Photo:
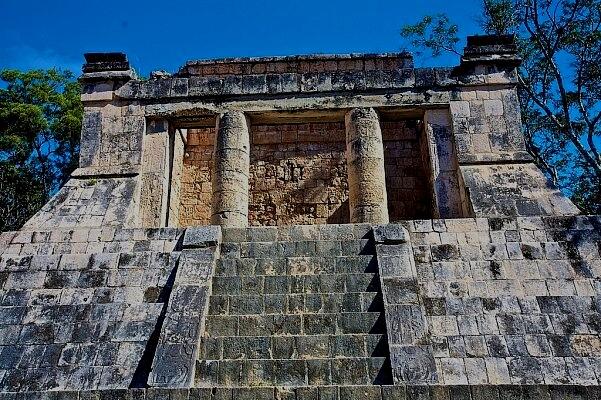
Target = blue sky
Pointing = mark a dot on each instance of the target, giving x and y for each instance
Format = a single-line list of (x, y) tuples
[(164, 34)]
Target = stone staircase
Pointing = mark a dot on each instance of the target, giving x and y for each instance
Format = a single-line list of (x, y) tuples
[(295, 306)]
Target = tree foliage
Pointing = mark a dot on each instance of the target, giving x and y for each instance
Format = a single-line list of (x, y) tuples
[(559, 81), (435, 33), (40, 124)]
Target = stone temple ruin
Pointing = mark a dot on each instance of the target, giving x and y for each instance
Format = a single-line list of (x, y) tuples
[(306, 227)]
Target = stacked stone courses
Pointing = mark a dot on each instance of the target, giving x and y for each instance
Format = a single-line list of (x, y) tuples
[(303, 227), (303, 308), (79, 306)]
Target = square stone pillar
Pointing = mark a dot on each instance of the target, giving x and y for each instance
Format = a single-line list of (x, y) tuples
[(154, 176), (448, 191), (365, 159), (231, 170)]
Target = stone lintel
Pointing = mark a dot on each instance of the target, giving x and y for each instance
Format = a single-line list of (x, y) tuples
[(108, 75), (194, 112)]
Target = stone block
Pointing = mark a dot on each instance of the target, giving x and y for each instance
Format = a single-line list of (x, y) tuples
[(360, 392), (412, 365), (173, 366), (195, 267), (179, 87), (254, 84), (405, 323), (181, 328), (201, 237), (400, 291), (290, 82), (399, 265), (253, 393)]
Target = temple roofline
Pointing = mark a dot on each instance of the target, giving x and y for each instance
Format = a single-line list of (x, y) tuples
[(298, 63), (300, 57)]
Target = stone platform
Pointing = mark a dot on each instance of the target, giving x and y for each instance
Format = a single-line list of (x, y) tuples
[(307, 227), (492, 303), (483, 392)]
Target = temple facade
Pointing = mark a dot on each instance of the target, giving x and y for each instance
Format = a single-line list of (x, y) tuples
[(304, 227)]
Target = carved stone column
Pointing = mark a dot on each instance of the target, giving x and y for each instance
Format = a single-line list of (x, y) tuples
[(365, 160), (231, 170)]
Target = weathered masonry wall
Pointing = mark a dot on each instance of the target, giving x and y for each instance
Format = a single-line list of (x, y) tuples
[(105, 308), (507, 302), (500, 301), (511, 301), (407, 170), (486, 127), (423, 392), (298, 174), (78, 307), (196, 189), (91, 203)]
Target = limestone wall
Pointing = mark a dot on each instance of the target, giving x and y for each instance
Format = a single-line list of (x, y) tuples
[(507, 302), (112, 135), (407, 171), (511, 301), (469, 158), (298, 174), (78, 307), (89, 203), (497, 299), (486, 126), (195, 195)]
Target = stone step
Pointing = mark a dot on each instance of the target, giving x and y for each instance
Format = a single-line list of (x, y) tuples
[(310, 248), (296, 265), (297, 233), (282, 284), (357, 392), (291, 373), (297, 324), (295, 303), (293, 347)]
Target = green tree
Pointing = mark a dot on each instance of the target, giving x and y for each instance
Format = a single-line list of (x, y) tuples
[(559, 82), (40, 124)]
